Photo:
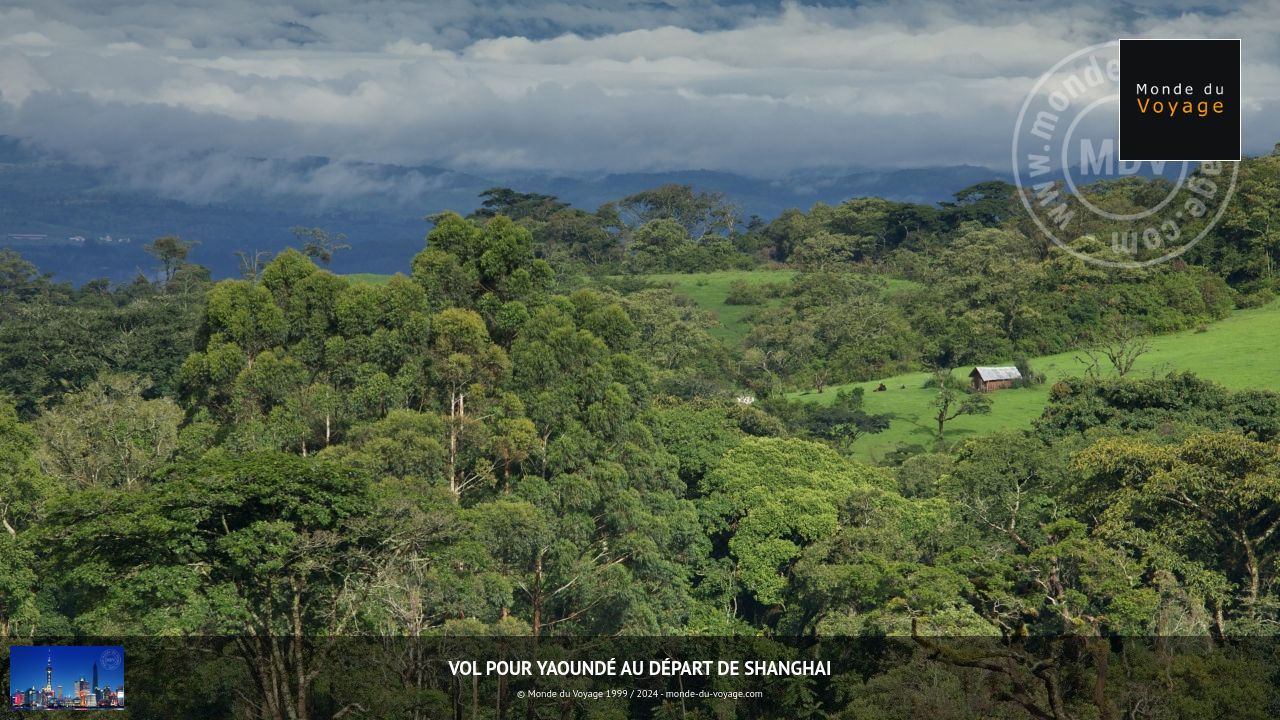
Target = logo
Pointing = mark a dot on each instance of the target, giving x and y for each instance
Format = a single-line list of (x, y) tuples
[(1086, 200), (110, 659), (1180, 99)]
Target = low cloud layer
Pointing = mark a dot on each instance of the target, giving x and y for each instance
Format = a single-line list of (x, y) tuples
[(755, 88)]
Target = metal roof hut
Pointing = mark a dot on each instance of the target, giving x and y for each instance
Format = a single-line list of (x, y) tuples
[(986, 379)]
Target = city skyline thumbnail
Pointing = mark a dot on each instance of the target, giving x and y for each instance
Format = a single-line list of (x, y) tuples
[(66, 676)]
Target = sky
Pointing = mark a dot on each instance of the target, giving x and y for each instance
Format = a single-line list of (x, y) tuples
[(70, 663), (758, 88)]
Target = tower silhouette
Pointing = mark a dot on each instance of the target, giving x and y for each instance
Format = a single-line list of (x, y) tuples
[(48, 680)]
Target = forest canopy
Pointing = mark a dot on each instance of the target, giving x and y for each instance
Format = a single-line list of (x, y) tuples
[(526, 434)]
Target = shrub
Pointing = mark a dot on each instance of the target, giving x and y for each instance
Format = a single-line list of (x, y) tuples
[(743, 293), (1030, 378), (1255, 299)]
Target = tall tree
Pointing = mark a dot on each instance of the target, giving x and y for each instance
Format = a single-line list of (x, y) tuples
[(467, 364), (246, 314), (517, 205), (1212, 502), (465, 265), (769, 498), (698, 212), (171, 251), (19, 279), (23, 487), (318, 244), (271, 549)]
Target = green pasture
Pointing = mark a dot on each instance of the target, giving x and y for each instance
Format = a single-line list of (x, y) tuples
[(1242, 351), (709, 290)]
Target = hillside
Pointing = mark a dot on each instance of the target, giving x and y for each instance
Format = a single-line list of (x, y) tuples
[(1238, 352), (710, 289)]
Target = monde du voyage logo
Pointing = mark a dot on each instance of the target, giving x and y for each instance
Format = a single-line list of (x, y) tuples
[(1164, 110)]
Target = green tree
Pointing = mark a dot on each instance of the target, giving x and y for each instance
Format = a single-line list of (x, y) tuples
[(697, 212), (318, 244), (468, 266), (517, 205), (21, 488), (24, 491), (246, 314), (109, 435), (825, 251), (879, 572), (1210, 502), (655, 244), (269, 548), (673, 335), (405, 444), (19, 279), (1245, 244), (1174, 401), (844, 421), (50, 345), (769, 498), (19, 611), (786, 232), (579, 235), (466, 363), (171, 251), (951, 401), (987, 202), (1038, 576)]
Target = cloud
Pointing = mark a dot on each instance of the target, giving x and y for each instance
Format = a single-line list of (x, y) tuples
[(317, 180), (756, 88)]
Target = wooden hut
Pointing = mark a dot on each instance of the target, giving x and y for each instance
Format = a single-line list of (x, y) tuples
[(986, 379)]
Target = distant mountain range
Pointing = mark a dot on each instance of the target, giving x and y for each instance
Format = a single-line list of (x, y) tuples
[(82, 221)]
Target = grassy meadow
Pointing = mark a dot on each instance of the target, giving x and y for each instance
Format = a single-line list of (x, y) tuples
[(709, 290), (1242, 351)]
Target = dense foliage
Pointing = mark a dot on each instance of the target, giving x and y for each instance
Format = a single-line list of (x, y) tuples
[(493, 445)]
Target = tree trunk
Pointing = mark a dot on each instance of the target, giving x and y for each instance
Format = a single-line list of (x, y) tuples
[(502, 696), (457, 413), (457, 698), (1100, 648), (453, 448), (300, 671), (1251, 567), (536, 595), (1219, 633)]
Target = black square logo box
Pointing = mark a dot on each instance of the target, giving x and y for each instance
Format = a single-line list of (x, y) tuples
[(1158, 78)]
